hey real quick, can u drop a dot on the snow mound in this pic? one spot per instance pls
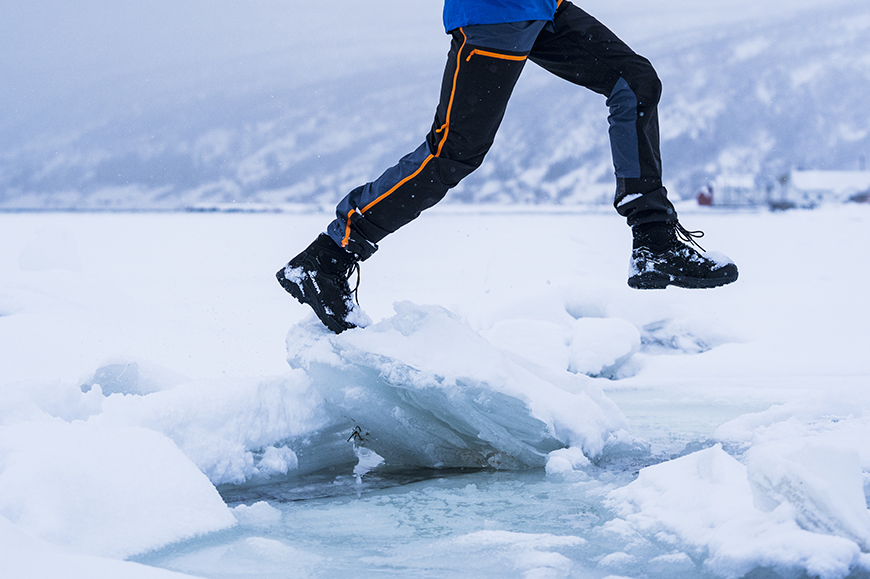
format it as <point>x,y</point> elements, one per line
<point>102,490</point>
<point>139,377</point>
<point>260,514</point>
<point>811,454</point>
<point>600,346</point>
<point>597,347</point>
<point>708,502</point>
<point>424,389</point>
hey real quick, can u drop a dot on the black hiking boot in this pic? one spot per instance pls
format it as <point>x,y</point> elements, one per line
<point>667,254</point>
<point>318,277</point>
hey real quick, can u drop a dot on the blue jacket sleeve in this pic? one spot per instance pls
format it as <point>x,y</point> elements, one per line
<point>467,12</point>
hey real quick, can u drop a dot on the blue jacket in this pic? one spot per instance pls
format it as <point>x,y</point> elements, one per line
<point>465,12</point>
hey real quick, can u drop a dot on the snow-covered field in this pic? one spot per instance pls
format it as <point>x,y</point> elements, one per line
<point>144,368</point>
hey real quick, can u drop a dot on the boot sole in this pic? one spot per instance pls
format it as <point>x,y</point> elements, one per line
<point>653,280</point>
<point>299,293</point>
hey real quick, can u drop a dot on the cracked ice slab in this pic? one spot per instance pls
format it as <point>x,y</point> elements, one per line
<point>427,390</point>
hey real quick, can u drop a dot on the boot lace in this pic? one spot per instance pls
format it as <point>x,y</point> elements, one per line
<point>684,235</point>
<point>354,268</point>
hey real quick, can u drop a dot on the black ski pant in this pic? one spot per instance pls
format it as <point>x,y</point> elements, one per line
<point>482,69</point>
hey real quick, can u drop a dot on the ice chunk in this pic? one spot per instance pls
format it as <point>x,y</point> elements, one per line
<point>424,389</point>
<point>706,501</point>
<point>277,460</point>
<point>242,429</point>
<point>565,462</point>
<point>260,514</point>
<point>822,483</point>
<point>841,421</point>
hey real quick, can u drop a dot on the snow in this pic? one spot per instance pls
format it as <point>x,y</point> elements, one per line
<point>25,556</point>
<point>70,484</point>
<point>144,365</point>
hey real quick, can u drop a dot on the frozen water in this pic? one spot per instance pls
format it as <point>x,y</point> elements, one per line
<point>460,525</point>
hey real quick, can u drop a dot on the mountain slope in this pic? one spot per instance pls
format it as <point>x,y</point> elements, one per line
<point>757,99</point>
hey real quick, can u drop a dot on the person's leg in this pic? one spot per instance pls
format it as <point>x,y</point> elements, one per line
<point>482,68</point>
<point>583,51</point>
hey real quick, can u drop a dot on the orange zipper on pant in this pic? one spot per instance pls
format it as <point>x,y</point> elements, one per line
<point>494,55</point>
<point>446,128</point>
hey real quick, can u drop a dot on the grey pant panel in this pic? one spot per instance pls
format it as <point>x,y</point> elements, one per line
<point>623,131</point>
<point>510,36</point>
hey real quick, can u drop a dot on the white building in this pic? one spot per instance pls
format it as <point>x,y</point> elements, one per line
<point>737,190</point>
<point>812,187</point>
<point>796,189</point>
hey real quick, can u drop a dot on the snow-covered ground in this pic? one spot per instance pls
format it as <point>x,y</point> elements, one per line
<point>144,376</point>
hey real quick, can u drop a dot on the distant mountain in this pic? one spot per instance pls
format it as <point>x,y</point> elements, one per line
<point>767,99</point>
<point>737,100</point>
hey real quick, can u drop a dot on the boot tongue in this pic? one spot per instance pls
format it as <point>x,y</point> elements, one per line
<point>333,259</point>
<point>334,263</point>
<point>654,236</point>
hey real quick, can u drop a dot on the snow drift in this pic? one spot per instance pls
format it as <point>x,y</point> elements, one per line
<point>72,484</point>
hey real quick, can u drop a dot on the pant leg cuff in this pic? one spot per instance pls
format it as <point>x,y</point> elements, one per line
<point>361,240</point>
<point>646,207</point>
